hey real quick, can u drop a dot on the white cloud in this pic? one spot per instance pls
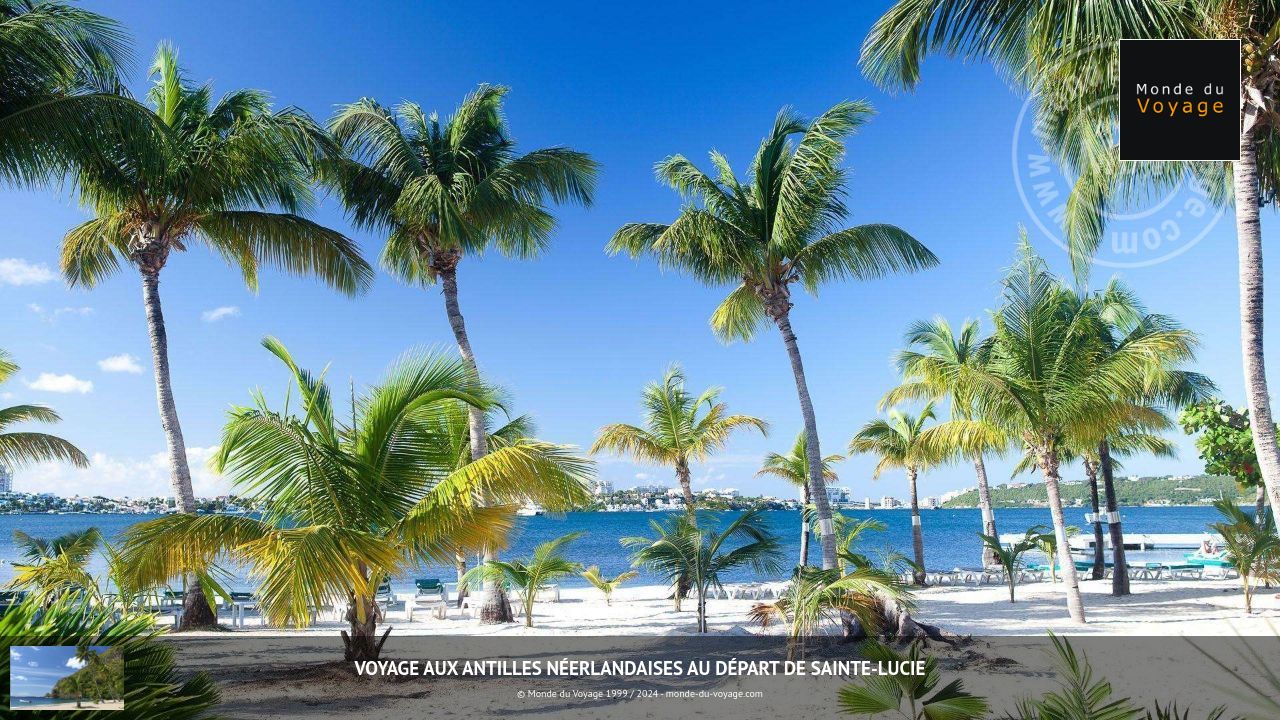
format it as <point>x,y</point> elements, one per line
<point>51,315</point>
<point>20,678</point>
<point>220,313</point>
<point>123,476</point>
<point>33,663</point>
<point>124,363</point>
<point>14,654</point>
<point>75,663</point>
<point>15,271</point>
<point>50,382</point>
<point>642,476</point>
<point>6,396</point>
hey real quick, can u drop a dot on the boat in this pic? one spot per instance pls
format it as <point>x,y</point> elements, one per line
<point>530,510</point>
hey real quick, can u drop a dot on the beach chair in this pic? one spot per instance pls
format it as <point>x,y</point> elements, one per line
<point>383,598</point>
<point>993,574</point>
<point>1184,571</point>
<point>430,588</point>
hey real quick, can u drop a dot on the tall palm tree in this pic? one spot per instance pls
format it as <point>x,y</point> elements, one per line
<point>1052,383</point>
<point>779,227</point>
<point>1065,53</point>
<point>896,441</point>
<point>679,428</point>
<point>929,364</point>
<point>794,468</point>
<point>231,175</point>
<point>58,85</point>
<point>444,190</point>
<point>349,504</point>
<point>21,447</point>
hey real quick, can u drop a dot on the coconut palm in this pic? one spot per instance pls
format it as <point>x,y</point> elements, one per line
<point>1010,558</point>
<point>933,355</point>
<point>779,227</point>
<point>547,565</point>
<point>607,585</point>
<point>231,175</point>
<point>1252,547</point>
<point>58,85</point>
<point>56,566</point>
<point>703,552</point>
<point>896,441</point>
<point>22,447</point>
<point>346,505</point>
<point>1065,53</point>
<point>679,428</point>
<point>794,468</point>
<point>1053,383</point>
<point>442,191</point>
<point>817,598</point>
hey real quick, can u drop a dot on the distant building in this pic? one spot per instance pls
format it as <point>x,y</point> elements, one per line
<point>932,503</point>
<point>6,479</point>
<point>866,504</point>
<point>603,487</point>
<point>888,502</point>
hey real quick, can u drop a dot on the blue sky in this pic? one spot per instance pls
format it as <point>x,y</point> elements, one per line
<point>33,670</point>
<point>576,334</point>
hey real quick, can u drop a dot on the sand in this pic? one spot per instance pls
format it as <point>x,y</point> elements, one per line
<point>71,705</point>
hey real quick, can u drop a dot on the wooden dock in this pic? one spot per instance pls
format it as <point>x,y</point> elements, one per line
<point>1134,541</point>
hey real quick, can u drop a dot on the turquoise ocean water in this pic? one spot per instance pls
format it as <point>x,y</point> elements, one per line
<point>950,535</point>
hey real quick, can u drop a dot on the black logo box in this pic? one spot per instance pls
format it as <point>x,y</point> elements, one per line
<point>1191,66</point>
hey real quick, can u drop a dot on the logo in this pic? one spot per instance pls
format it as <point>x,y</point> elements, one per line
<point>1179,99</point>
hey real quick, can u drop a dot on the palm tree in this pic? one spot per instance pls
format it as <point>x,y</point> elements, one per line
<point>445,190</point>
<point>679,428</point>
<point>607,585</point>
<point>704,552</point>
<point>19,448</point>
<point>202,173</point>
<point>777,229</point>
<point>57,566</point>
<point>912,696</point>
<point>58,85</point>
<point>346,505</point>
<point>1053,383</point>
<point>547,565</point>
<point>1065,54</point>
<point>1252,546</point>
<point>933,356</point>
<point>1010,558</point>
<point>794,468</point>
<point>896,442</point>
<point>815,598</point>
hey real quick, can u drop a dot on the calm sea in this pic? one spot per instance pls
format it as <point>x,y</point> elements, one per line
<point>26,703</point>
<point>949,535</point>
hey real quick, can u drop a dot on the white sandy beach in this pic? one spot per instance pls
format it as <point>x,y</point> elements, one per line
<point>1159,607</point>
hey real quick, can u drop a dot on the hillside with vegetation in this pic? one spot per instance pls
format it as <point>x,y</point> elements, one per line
<point>102,678</point>
<point>1198,490</point>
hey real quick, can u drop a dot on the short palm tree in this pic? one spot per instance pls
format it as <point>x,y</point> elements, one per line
<point>704,552</point>
<point>444,190</point>
<point>1052,383</point>
<point>346,505</point>
<point>607,585</point>
<point>58,85</point>
<point>1009,558</point>
<point>1253,549</point>
<point>22,447</point>
<point>56,566</point>
<point>231,175</point>
<point>679,428</point>
<point>794,468</point>
<point>896,441</point>
<point>547,565</point>
<point>779,228</point>
<point>1065,53</point>
<point>929,364</point>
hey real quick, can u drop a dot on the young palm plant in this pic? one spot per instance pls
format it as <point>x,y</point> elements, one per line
<point>1252,547</point>
<point>929,364</point>
<point>704,552</point>
<point>54,567</point>
<point>679,428</point>
<point>896,442</point>
<point>348,505</point>
<point>778,228</point>
<point>1065,54</point>
<point>22,447</point>
<point>231,175</point>
<point>444,190</point>
<point>817,598</point>
<point>1010,558</point>
<point>794,468</point>
<point>1052,383</point>
<point>547,565</point>
<point>911,696</point>
<point>607,585</point>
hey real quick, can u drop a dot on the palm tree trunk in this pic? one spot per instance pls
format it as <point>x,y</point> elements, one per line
<point>362,642</point>
<point>195,608</point>
<point>1049,469</point>
<point>988,512</point>
<point>683,477</point>
<point>1249,239</point>
<point>1260,504</point>
<point>917,533</point>
<point>1099,556</point>
<point>497,606</point>
<point>804,527</point>
<point>817,486</point>
<point>1119,566</point>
